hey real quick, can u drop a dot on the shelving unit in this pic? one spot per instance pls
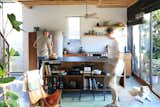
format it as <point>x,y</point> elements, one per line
<point>73,83</point>
<point>75,76</point>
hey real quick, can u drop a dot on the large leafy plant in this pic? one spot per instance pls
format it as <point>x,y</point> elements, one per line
<point>12,97</point>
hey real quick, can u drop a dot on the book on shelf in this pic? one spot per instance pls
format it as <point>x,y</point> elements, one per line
<point>47,70</point>
<point>90,83</point>
<point>85,84</point>
<point>95,84</point>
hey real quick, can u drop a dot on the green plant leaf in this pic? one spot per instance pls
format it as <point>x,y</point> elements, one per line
<point>12,95</point>
<point>3,104</point>
<point>15,24</point>
<point>12,99</point>
<point>12,52</point>
<point>12,103</point>
<point>16,53</point>
<point>2,70</point>
<point>7,80</point>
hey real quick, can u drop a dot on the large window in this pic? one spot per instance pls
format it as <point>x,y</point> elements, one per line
<point>73,28</point>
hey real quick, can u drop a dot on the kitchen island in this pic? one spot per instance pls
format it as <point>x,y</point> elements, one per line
<point>76,80</point>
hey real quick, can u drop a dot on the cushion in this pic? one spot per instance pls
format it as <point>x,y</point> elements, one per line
<point>33,80</point>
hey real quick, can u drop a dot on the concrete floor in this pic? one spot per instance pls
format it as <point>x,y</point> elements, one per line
<point>71,100</point>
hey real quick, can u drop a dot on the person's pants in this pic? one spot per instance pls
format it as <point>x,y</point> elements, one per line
<point>113,85</point>
<point>40,59</point>
<point>111,80</point>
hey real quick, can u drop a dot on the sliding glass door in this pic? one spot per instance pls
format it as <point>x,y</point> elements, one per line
<point>136,50</point>
<point>141,40</point>
<point>156,51</point>
<point>145,48</point>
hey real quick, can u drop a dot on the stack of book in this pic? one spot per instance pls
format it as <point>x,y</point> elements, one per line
<point>47,70</point>
<point>90,83</point>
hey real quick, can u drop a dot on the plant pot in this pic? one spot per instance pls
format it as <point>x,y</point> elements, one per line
<point>155,79</point>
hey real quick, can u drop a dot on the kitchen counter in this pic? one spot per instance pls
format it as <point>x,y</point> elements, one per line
<point>67,62</point>
<point>81,59</point>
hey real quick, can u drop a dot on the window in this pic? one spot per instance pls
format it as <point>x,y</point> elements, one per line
<point>74,28</point>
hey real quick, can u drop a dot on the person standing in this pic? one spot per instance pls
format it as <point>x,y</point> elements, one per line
<point>110,66</point>
<point>44,47</point>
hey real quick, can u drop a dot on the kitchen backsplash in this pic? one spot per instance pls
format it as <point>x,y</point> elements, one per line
<point>90,44</point>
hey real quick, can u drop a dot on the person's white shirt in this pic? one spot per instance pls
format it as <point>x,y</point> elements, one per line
<point>113,53</point>
<point>113,49</point>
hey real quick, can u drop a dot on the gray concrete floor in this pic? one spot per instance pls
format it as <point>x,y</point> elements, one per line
<point>71,100</point>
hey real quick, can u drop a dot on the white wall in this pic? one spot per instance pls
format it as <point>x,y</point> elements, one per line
<point>55,18</point>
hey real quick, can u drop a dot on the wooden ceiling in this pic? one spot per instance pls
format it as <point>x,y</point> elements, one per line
<point>98,3</point>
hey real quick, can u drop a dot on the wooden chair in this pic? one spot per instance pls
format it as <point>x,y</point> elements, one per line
<point>37,94</point>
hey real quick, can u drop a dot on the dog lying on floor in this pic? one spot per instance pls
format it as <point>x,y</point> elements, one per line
<point>141,93</point>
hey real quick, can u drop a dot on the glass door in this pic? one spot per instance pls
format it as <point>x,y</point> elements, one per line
<point>144,49</point>
<point>136,50</point>
<point>156,51</point>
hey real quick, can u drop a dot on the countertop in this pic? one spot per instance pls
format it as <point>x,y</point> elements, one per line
<point>80,59</point>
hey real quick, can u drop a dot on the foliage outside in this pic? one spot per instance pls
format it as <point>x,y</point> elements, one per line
<point>156,42</point>
<point>156,34</point>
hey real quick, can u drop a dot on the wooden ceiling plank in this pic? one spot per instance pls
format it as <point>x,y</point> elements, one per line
<point>98,3</point>
<point>59,2</point>
<point>132,2</point>
<point>113,3</point>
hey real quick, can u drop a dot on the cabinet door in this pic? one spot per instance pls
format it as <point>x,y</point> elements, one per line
<point>127,60</point>
<point>32,51</point>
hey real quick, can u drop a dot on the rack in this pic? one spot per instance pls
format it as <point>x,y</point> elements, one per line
<point>76,76</point>
<point>78,82</point>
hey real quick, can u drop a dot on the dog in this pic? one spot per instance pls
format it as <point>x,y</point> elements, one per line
<point>141,93</point>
